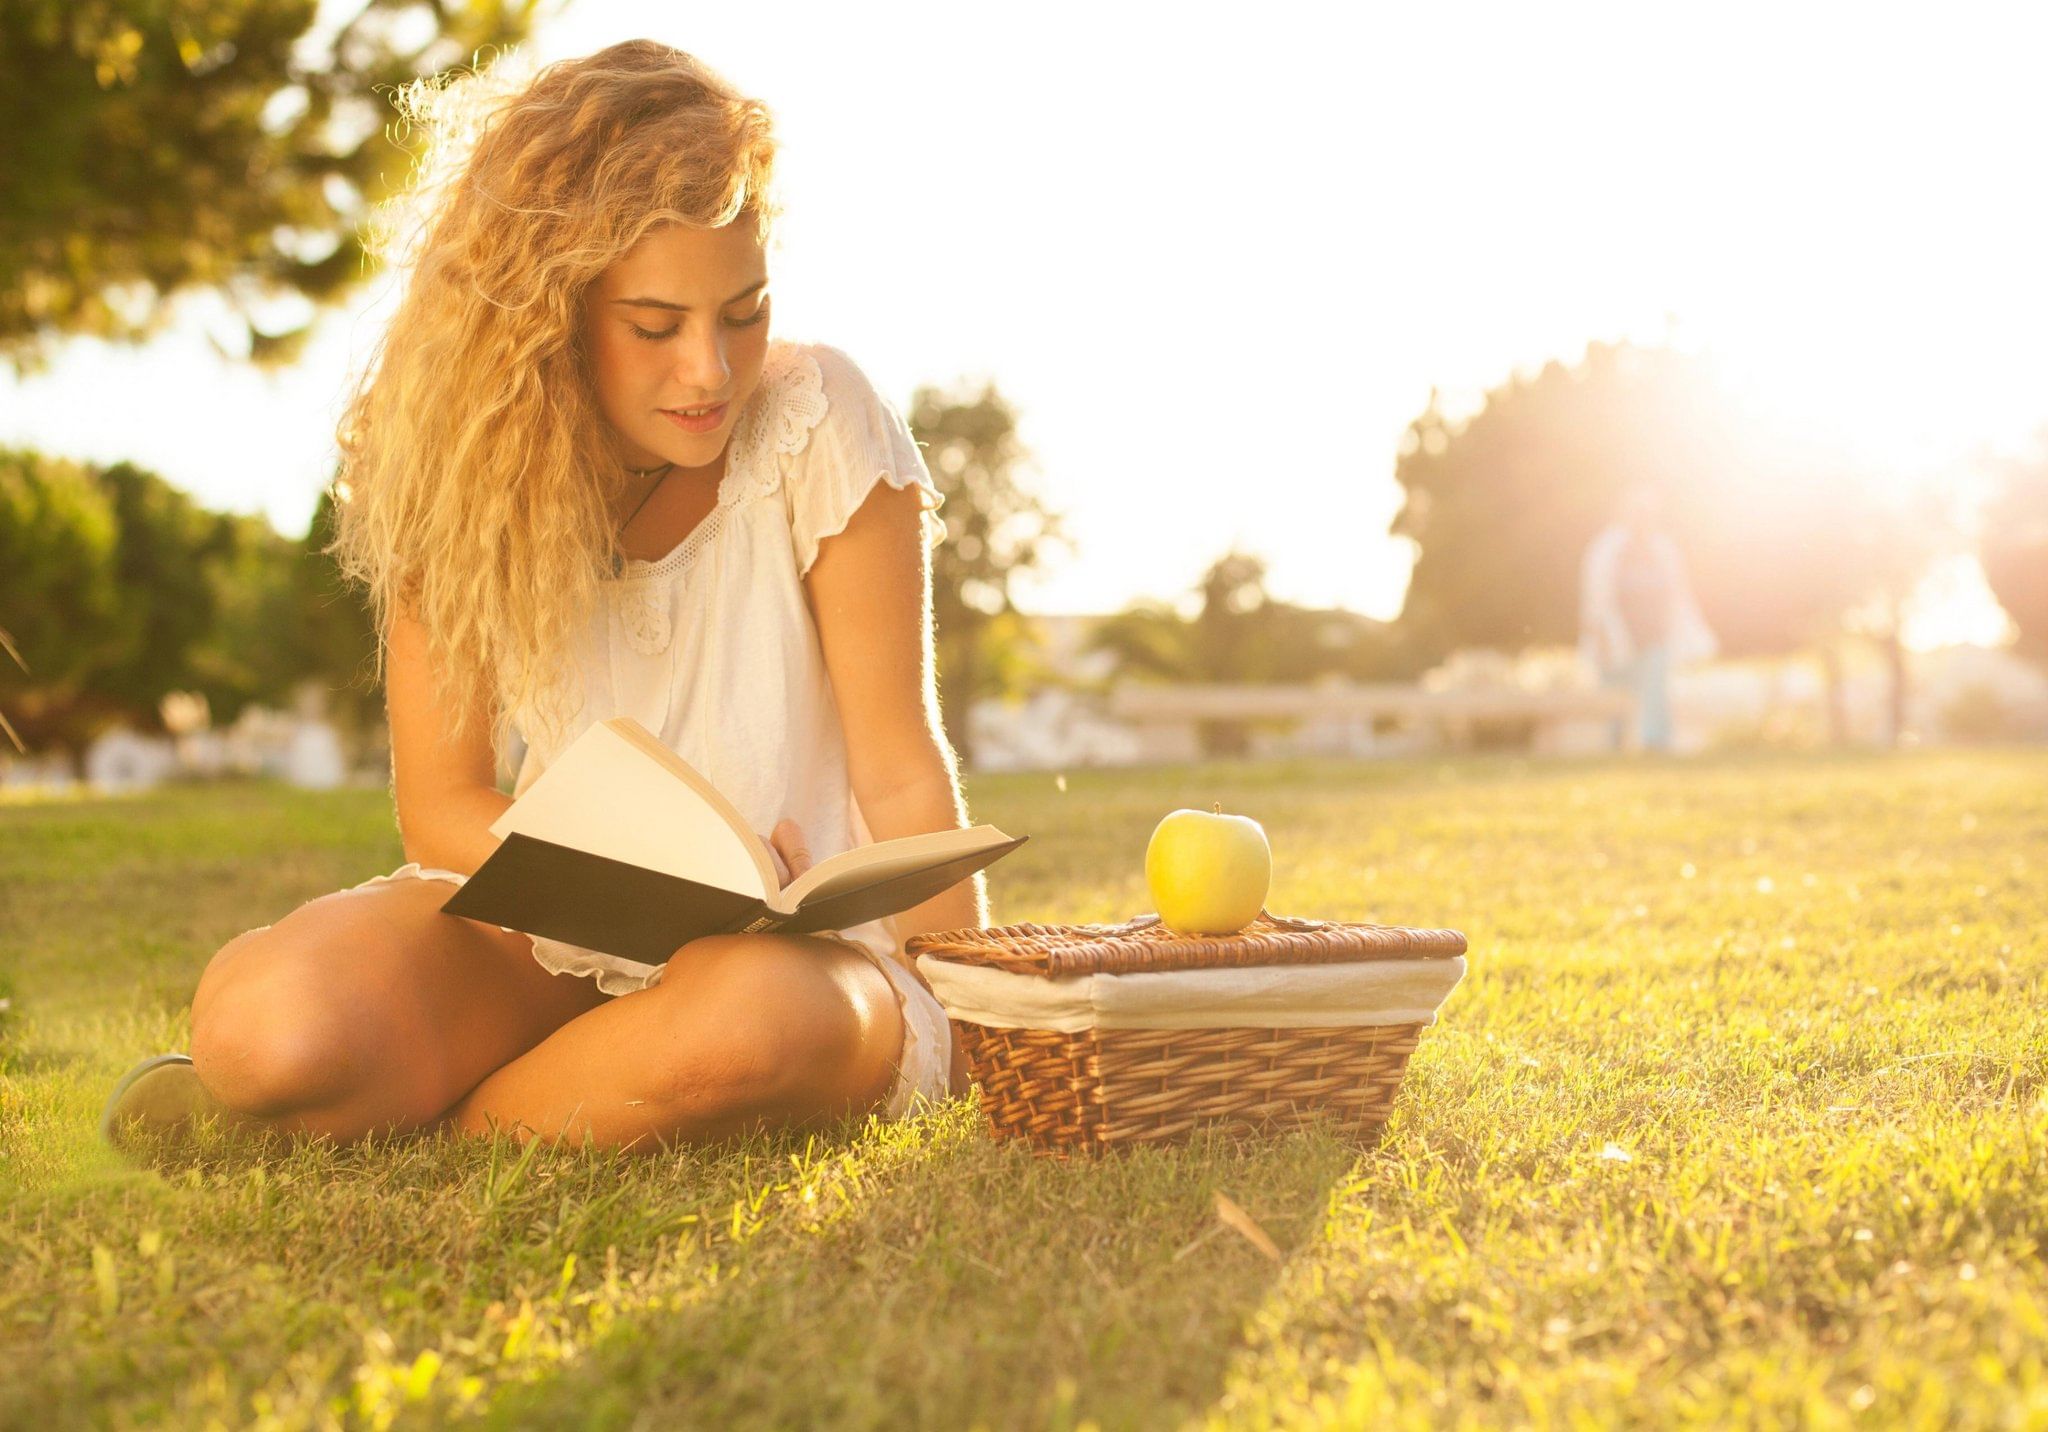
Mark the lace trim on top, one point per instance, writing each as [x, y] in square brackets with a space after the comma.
[788, 404]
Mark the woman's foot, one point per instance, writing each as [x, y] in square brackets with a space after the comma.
[163, 1095]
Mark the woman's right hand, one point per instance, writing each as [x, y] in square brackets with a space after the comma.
[791, 852]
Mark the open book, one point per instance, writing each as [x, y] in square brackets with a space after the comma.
[622, 846]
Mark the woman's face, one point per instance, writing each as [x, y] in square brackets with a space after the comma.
[679, 322]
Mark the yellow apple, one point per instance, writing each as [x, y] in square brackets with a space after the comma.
[1209, 872]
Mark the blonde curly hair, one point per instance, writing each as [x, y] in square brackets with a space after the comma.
[473, 494]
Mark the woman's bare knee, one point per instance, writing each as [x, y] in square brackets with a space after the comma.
[770, 1021]
[372, 1006]
[268, 1041]
[705, 1058]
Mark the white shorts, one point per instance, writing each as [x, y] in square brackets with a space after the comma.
[923, 1068]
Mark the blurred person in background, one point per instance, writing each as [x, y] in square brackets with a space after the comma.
[1637, 615]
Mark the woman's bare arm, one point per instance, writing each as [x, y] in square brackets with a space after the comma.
[447, 790]
[869, 591]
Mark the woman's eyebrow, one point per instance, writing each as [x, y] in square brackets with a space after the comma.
[684, 307]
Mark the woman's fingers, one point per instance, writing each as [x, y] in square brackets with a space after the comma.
[789, 839]
[792, 855]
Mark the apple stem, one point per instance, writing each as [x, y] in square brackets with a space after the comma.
[1216, 807]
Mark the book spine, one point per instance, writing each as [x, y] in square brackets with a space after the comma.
[761, 922]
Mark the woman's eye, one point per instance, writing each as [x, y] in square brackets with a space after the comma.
[655, 335]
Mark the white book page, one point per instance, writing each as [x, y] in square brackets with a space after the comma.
[869, 864]
[610, 795]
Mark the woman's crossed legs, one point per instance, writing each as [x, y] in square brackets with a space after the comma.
[370, 1009]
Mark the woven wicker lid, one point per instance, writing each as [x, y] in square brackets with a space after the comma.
[1145, 945]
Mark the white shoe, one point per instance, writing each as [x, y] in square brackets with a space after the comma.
[163, 1093]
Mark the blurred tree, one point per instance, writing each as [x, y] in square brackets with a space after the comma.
[1232, 638]
[7, 727]
[1236, 613]
[996, 529]
[58, 589]
[119, 589]
[338, 640]
[165, 545]
[1887, 546]
[253, 651]
[2015, 549]
[1149, 639]
[1316, 642]
[148, 147]
[1783, 541]
[1241, 634]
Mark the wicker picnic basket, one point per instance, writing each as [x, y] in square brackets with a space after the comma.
[1138, 1060]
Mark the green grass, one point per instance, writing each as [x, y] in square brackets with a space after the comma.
[1739, 1118]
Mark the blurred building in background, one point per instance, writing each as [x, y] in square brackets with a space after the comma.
[1541, 702]
[1081, 713]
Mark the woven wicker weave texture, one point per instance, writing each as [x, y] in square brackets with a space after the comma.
[1099, 1089]
[1143, 944]
[1092, 1091]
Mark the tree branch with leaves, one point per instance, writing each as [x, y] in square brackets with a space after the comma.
[148, 149]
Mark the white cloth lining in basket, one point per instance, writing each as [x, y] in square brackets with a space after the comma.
[1358, 992]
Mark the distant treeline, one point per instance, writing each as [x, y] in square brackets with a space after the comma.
[117, 588]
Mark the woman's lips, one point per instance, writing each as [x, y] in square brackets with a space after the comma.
[702, 424]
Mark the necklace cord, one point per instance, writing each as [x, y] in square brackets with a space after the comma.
[664, 470]
[618, 563]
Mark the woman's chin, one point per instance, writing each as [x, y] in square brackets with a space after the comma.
[694, 456]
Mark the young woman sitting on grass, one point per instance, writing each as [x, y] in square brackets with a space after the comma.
[581, 480]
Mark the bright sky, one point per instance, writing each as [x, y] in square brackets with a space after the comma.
[1219, 266]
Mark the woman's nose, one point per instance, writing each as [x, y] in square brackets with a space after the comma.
[702, 366]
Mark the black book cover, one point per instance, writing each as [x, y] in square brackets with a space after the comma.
[621, 909]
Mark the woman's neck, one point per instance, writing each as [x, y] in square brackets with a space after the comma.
[638, 480]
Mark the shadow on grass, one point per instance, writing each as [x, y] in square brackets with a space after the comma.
[971, 1284]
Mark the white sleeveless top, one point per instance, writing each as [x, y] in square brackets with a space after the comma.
[712, 648]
